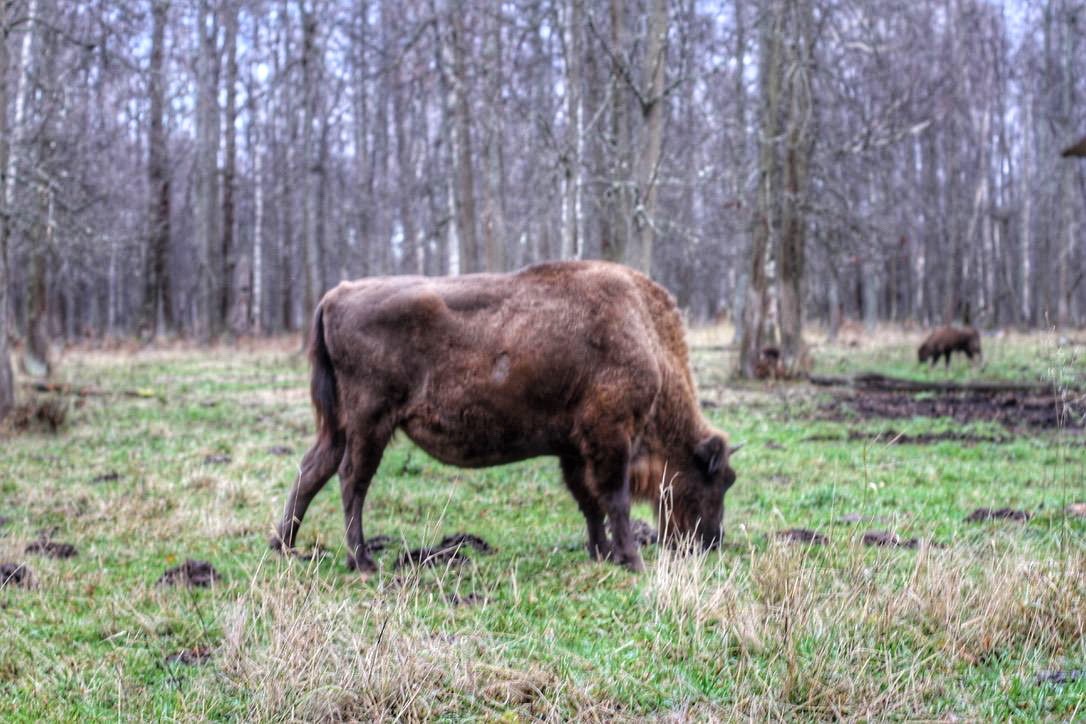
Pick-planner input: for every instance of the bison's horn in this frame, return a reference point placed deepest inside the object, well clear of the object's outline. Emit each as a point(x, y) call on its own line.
point(735, 448)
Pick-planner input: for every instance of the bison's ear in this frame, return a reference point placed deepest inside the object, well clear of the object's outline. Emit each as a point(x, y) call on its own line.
point(710, 454)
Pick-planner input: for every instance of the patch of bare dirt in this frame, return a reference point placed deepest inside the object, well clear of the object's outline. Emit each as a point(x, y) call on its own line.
point(449, 550)
point(190, 657)
point(1061, 676)
point(802, 535)
point(107, 477)
point(190, 573)
point(1014, 410)
point(471, 599)
point(983, 514)
point(15, 574)
point(52, 549)
point(887, 540)
point(219, 459)
point(893, 437)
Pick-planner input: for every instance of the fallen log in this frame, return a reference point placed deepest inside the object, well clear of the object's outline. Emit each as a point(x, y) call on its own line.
point(873, 381)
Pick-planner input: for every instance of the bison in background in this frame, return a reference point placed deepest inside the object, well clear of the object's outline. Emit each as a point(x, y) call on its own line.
point(946, 340)
point(584, 361)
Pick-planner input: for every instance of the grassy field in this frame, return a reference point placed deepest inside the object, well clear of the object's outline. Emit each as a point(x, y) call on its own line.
point(959, 626)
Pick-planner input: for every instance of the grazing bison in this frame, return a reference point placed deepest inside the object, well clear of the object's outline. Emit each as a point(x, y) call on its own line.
point(585, 361)
point(945, 340)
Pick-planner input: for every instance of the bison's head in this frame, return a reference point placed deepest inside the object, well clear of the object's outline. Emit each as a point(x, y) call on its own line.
point(693, 508)
point(923, 353)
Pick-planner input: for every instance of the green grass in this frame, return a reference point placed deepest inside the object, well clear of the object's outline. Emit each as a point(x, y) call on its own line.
point(759, 630)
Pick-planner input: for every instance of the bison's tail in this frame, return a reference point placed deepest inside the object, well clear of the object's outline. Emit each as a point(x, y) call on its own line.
point(322, 386)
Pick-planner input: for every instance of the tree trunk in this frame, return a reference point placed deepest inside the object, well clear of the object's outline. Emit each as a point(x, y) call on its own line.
point(207, 191)
point(573, 175)
point(494, 203)
point(799, 146)
point(256, 151)
point(756, 307)
point(464, 185)
point(311, 258)
point(7, 387)
point(230, 318)
point(648, 159)
point(158, 313)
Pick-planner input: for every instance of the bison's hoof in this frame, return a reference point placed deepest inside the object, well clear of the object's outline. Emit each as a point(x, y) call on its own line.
point(363, 565)
point(632, 562)
point(277, 545)
point(599, 551)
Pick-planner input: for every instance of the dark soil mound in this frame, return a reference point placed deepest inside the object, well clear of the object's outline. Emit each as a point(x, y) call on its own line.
point(802, 535)
point(887, 540)
point(982, 514)
point(15, 574)
point(190, 657)
point(893, 437)
point(1011, 409)
point(190, 573)
point(1059, 676)
point(52, 549)
point(449, 550)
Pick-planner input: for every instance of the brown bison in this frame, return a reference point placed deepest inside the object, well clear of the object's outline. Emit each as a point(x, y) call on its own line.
point(585, 361)
point(945, 340)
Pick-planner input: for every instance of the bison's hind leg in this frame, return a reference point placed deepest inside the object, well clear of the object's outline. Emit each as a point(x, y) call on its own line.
point(365, 446)
point(318, 466)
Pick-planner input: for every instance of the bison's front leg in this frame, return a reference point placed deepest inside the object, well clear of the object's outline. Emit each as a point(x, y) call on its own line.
point(359, 465)
point(573, 472)
point(610, 471)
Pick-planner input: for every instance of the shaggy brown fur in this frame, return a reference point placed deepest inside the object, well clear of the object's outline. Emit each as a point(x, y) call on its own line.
point(585, 361)
point(945, 340)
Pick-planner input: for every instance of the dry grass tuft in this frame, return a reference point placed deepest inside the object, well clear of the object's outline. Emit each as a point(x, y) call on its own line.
point(836, 637)
point(302, 650)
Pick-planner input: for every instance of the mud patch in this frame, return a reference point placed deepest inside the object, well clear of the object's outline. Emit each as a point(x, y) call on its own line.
point(52, 549)
point(190, 573)
point(378, 543)
point(882, 539)
point(1060, 676)
point(893, 437)
point(643, 533)
point(802, 535)
point(190, 657)
point(448, 551)
point(471, 599)
point(982, 514)
point(1038, 411)
point(108, 477)
point(15, 574)
point(219, 459)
